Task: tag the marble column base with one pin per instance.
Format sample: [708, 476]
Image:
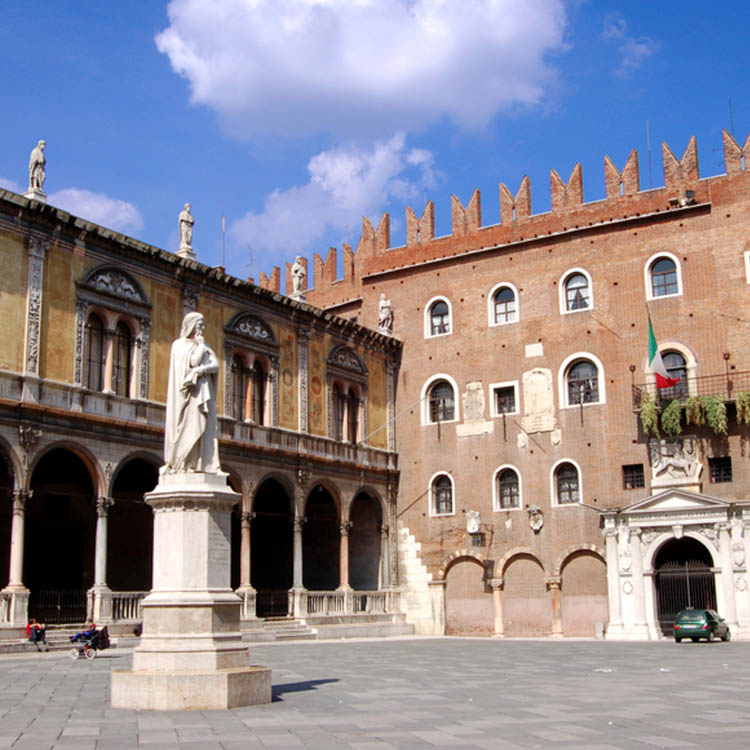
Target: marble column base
[18, 605]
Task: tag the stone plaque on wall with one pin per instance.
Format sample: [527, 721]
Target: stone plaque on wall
[473, 403]
[675, 463]
[538, 401]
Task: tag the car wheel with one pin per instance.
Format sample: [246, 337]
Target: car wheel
[695, 640]
[677, 640]
[711, 636]
[727, 636]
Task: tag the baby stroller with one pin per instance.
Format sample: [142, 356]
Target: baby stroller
[88, 642]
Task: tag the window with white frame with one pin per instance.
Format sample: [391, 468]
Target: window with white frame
[437, 317]
[504, 398]
[566, 483]
[442, 402]
[503, 304]
[112, 333]
[576, 292]
[663, 276]
[507, 489]
[441, 494]
[581, 380]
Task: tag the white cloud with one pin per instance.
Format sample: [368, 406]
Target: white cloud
[633, 50]
[99, 208]
[345, 183]
[10, 185]
[295, 67]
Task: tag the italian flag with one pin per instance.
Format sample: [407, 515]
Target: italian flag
[656, 363]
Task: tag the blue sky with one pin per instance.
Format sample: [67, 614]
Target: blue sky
[295, 118]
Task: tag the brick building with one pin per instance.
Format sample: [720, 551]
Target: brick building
[535, 495]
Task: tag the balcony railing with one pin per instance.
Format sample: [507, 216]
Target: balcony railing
[728, 386]
[30, 390]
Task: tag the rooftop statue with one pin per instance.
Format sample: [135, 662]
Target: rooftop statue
[37, 163]
[186, 222]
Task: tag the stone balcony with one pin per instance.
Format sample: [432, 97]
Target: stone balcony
[56, 399]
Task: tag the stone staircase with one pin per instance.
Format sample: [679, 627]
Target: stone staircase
[281, 629]
[58, 639]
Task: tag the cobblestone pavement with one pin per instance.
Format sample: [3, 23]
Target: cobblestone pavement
[409, 693]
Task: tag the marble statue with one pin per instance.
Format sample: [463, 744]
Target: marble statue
[190, 438]
[37, 163]
[186, 229]
[298, 276]
[385, 315]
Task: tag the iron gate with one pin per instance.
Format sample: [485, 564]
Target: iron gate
[681, 585]
[272, 603]
[58, 607]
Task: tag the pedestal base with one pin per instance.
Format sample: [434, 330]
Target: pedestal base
[35, 194]
[181, 691]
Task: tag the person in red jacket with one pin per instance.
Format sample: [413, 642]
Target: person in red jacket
[36, 632]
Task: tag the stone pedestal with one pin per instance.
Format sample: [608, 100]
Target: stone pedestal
[191, 655]
[35, 194]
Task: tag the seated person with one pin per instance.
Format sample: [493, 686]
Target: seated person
[37, 633]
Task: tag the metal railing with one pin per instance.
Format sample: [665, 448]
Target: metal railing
[728, 386]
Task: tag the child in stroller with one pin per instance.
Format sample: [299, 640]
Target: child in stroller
[89, 641]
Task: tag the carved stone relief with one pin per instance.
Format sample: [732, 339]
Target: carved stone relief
[538, 399]
[473, 403]
[674, 462]
[37, 253]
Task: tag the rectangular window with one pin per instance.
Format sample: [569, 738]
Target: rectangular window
[633, 477]
[504, 398]
[720, 469]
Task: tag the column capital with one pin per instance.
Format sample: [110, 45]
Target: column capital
[20, 498]
[298, 522]
[344, 527]
[103, 504]
[553, 583]
[384, 531]
[246, 518]
[497, 583]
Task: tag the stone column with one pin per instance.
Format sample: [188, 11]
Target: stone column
[100, 591]
[298, 604]
[497, 600]
[639, 590]
[273, 378]
[246, 592]
[385, 568]
[191, 654]
[727, 573]
[19, 594]
[344, 527]
[109, 343]
[614, 628]
[553, 585]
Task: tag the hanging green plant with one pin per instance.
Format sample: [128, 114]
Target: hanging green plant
[671, 418]
[694, 412]
[743, 407]
[649, 415]
[716, 413]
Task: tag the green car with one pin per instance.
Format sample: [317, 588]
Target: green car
[700, 623]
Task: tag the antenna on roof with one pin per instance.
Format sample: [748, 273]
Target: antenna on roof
[223, 238]
[648, 145]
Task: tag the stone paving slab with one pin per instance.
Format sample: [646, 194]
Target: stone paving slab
[408, 694]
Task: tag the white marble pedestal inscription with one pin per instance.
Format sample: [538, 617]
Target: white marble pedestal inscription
[191, 655]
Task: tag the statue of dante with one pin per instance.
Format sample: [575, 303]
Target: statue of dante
[190, 438]
[186, 228]
[37, 163]
[298, 275]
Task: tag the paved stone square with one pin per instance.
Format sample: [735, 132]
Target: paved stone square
[409, 693]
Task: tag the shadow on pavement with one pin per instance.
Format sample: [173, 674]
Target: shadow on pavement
[295, 687]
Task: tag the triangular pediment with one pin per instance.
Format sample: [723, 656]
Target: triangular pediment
[675, 500]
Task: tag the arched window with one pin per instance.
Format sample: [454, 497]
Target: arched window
[577, 293]
[442, 495]
[507, 490]
[583, 383]
[239, 387]
[95, 353]
[676, 367]
[352, 411]
[339, 407]
[664, 277]
[567, 484]
[258, 378]
[442, 402]
[123, 347]
[439, 318]
[504, 302]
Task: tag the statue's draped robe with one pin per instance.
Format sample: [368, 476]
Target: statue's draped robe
[190, 439]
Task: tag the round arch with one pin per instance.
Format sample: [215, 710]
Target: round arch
[321, 539]
[562, 379]
[425, 402]
[92, 464]
[648, 265]
[491, 304]
[469, 606]
[364, 523]
[562, 290]
[574, 549]
[428, 334]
